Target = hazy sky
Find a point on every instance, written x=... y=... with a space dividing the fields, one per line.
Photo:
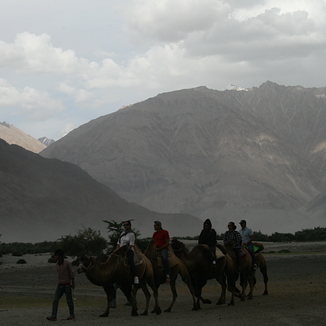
x=65 y=62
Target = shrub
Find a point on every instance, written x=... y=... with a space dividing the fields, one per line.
x=17 y=254
x=52 y=260
x=21 y=261
x=86 y=242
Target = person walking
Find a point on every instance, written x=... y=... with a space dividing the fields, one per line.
x=247 y=237
x=66 y=282
x=162 y=240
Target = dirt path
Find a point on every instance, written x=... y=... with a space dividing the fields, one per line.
x=297 y=296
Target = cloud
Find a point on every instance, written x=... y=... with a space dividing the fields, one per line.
x=73 y=69
x=236 y=32
x=35 y=54
x=67 y=128
x=171 y=21
x=80 y=95
x=29 y=102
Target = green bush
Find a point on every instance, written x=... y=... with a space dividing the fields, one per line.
x=85 y=242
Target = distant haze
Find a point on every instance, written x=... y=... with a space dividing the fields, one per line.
x=257 y=154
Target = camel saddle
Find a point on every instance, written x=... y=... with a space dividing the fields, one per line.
x=258 y=247
x=138 y=260
x=172 y=262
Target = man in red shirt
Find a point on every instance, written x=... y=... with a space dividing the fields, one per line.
x=162 y=240
x=66 y=282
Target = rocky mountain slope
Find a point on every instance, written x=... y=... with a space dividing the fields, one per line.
x=44 y=199
x=257 y=154
x=13 y=135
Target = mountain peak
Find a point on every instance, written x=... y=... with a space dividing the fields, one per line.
x=233 y=87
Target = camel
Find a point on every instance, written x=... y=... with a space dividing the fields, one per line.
x=200 y=268
x=261 y=263
x=116 y=270
x=176 y=267
x=246 y=271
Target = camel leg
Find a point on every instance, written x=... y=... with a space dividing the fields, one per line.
x=186 y=279
x=244 y=283
x=173 y=290
x=251 y=281
x=263 y=270
x=134 y=311
x=205 y=301
x=147 y=296
x=129 y=293
x=109 y=290
x=231 y=287
x=201 y=282
x=152 y=285
x=222 y=280
x=198 y=291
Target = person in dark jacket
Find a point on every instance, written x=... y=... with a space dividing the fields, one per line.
x=208 y=237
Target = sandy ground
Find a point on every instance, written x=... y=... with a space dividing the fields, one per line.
x=297 y=295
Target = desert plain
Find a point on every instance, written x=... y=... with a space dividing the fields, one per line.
x=297 y=295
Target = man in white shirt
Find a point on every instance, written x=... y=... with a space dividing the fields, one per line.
x=127 y=238
x=247 y=237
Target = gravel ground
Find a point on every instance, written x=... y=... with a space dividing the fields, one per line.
x=297 y=295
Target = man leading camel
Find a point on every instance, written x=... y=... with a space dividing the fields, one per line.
x=66 y=282
x=162 y=240
x=247 y=237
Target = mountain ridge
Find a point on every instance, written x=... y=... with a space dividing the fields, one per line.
x=44 y=199
x=214 y=154
x=13 y=135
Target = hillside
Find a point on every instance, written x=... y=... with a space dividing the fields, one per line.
x=13 y=135
x=44 y=199
x=257 y=154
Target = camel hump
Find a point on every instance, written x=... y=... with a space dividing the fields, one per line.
x=138 y=256
x=222 y=248
x=219 y=253
x=172 y=259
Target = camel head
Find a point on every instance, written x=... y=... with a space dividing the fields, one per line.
x=86 y=263
x=177 y=245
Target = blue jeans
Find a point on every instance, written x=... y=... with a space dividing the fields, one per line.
x=61 y=289
x=165 y=255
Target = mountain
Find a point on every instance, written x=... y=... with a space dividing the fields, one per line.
x=46 y=141
x=13 y=135
x=257 y=154
x=44 y=199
